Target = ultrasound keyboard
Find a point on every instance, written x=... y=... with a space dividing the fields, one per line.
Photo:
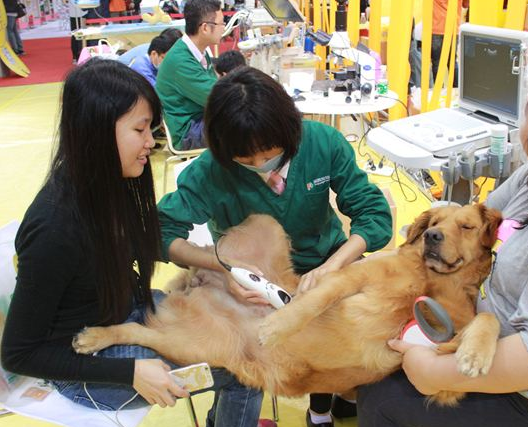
x=442 y=131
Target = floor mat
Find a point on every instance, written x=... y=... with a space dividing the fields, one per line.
x=48 y=60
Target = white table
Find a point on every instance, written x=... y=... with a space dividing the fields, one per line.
x=335 y=104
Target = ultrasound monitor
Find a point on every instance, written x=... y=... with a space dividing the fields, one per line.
x=492 y=72
x=283 y=10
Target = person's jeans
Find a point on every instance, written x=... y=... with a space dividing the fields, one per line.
x=194 y=137
x=12 y=34
x=235 y=405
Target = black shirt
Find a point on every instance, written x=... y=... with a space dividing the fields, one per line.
x=55 y=297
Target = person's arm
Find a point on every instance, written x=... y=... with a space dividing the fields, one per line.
x=430 y=372
x=178 y=211
x=50 y=262
x=501 y=196
x=362 y=202
x=193 y=81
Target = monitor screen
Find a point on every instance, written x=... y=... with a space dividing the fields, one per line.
x=491 y=71
x=283 y=10
x=488 y=76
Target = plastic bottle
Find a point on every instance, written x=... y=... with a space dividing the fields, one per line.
x=499 y=137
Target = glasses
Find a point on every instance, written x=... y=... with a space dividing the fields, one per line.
x=214 y=23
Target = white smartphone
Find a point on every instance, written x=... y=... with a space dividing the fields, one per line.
x=194 y=377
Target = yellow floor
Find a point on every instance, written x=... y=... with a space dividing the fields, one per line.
x=28 y=117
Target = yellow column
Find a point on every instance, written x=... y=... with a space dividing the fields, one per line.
x=398 y=43
x=485 y=12
x=353 y=21
x=515 y=14
x=317 y=22
x=333 y=8
x=427 y=28
x=449 y=32
x=375 y=25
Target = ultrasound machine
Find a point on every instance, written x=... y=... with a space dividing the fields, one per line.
x=493 y=87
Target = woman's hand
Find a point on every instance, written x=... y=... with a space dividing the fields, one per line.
x=154 y=383
x=419 y=365
x=309 y=280
x=241 y=293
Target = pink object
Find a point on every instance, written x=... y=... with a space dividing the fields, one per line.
x=266 y=423
x=377 y=67
x=276 y=182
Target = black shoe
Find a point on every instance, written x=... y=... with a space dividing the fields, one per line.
x=342 y=408
x=309 y=422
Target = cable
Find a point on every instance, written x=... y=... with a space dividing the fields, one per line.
x=396 y=99
x=222 y=263
x=361 y=140
x=402 y=184
x=116 y=421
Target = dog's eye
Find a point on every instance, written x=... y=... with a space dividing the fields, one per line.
x=467 y=227
x=434 y=223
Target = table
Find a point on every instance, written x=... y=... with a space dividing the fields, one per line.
x=335 y=104
x=130 y=34
x=411 y=156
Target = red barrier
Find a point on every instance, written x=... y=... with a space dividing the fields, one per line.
x=136 y=18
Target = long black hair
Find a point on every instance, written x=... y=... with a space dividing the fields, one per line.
x=119 y=214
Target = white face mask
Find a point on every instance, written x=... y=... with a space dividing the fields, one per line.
x=267 y=166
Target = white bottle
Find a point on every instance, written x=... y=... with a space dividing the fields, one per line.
x=499 y=137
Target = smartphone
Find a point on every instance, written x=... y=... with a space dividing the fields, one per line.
x=194 y=377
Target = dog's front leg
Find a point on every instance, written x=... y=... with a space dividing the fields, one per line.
x=478 y=344
x=331 y=289
x=90 y=340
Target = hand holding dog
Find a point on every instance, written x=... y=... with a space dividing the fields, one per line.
x=418 y=364
x=154 y=383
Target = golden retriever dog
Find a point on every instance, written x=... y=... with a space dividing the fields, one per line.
x=333 y=337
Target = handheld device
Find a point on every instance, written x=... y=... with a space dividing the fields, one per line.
x=193 y=377
x=276 y=296
x=419 y=331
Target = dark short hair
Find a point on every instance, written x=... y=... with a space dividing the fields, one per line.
x=228 y=61
x=196 y=12
x=162 y=44
x=171 y=33
x=248 y=112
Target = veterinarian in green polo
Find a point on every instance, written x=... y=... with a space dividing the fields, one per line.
x=264 y=159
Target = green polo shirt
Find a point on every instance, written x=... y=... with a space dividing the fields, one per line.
x=208 y=192
x=183 y=85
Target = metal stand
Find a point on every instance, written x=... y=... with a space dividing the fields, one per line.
x=192 y=412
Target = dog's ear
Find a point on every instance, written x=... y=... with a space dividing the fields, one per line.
x=492 y=218
x=418 y=227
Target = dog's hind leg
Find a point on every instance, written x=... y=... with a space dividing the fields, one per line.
x=90 y=340
x=331 y=289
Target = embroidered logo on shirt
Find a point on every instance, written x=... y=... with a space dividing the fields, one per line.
x=317 y=181
x=504 y=232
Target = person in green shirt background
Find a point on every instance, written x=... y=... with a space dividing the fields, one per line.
x=263 y=158
x=186 y=75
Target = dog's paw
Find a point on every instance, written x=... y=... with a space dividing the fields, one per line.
x=88 y=341
x=472 y=361
x=270 y=331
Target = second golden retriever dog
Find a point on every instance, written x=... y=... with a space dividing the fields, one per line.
x=333 y=337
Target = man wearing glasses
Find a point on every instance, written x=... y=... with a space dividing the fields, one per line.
x=186 y=75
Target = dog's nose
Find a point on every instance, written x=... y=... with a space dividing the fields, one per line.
x=433 y=237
